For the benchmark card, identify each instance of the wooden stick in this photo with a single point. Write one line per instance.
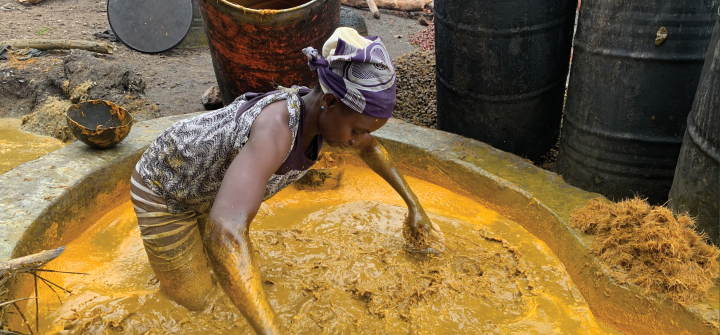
(37, 305)
(373, 8)
(14, 301)
(72, 273)
(29, 262)
(56, 285)
(50, 287)
(43, 44)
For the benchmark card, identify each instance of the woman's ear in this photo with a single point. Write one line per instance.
(330, 100)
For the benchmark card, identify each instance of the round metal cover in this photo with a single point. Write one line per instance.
(150, 26)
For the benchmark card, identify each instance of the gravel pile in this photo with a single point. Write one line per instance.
(416, 95)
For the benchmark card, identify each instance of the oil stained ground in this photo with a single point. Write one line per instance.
(335, 262)
(17, 146)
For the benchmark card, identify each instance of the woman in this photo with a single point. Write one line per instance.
(228, 161)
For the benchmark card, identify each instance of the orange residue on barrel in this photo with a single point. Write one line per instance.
(269, 6)
(234, 37)
(268, 11)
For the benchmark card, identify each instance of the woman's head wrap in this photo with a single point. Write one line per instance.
(358, 70)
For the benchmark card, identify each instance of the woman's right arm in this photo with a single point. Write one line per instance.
(227, 238)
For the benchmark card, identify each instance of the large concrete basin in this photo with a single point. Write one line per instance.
(50, 201)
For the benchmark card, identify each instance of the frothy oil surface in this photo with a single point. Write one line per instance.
(335, 262)
(17, 146)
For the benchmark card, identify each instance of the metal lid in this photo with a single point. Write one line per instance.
(150, 26)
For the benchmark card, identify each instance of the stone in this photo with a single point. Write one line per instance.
(350, 18)
(211, 99)
(424, 20)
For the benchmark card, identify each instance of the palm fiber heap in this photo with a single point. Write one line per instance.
(416, 94)
(648, 246)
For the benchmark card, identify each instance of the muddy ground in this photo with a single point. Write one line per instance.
(172, 81)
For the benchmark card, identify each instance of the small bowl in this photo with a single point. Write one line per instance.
(98, 123)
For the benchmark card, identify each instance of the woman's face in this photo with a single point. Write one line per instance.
(341, 126)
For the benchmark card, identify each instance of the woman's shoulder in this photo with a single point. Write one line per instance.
(274, 114)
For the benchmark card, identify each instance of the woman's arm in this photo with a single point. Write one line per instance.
(227, 238)
(377, 158)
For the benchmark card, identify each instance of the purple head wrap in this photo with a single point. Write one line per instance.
(363, 79)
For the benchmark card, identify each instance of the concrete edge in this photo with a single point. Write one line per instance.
(62, 189)
(67, 187)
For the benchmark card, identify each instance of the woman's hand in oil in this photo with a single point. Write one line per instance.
(418, 222)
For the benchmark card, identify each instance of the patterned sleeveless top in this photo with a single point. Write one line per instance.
(186, 164)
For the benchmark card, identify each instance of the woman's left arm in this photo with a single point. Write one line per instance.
(377, 158)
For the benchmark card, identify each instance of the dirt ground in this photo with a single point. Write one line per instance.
(174, 80)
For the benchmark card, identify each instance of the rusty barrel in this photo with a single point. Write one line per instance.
(635, 69)
(257, 44)
(501, 70)
(695, 187)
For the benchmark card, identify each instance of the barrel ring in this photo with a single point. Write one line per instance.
(267, 11)
(701, 142)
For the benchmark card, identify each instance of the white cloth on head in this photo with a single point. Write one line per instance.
(350, 36)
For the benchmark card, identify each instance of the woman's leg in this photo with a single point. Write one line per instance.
(174, 247)
(190, 284)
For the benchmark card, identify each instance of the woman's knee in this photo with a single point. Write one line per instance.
(190, 284)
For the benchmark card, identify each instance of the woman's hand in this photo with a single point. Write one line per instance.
(227, 240)
(419, 229)
(418, 222)
(422, 230)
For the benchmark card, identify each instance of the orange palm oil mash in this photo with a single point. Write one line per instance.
(335, 262)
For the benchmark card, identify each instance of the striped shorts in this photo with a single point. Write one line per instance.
(168, 238)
